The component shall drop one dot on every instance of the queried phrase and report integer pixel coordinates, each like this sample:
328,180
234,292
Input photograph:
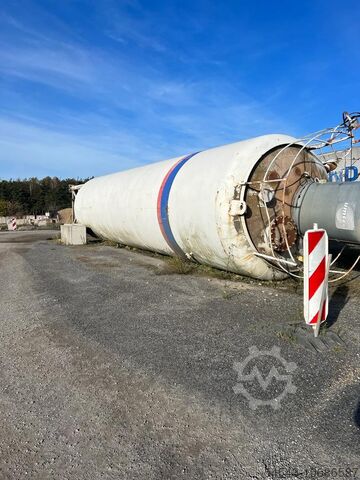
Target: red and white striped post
12,224
316,272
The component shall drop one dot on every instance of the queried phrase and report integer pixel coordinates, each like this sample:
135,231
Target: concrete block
73,234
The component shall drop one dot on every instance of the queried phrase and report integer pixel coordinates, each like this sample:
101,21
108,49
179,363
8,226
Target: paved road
115,367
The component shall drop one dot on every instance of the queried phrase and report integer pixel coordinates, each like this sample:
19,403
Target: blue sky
90,87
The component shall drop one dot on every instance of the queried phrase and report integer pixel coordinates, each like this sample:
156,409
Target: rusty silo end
237,207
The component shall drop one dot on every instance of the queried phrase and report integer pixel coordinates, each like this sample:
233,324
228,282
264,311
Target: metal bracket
237,207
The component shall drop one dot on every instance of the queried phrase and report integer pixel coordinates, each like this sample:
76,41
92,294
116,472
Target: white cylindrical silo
184,206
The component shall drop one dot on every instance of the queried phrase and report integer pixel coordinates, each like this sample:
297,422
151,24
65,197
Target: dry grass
178,265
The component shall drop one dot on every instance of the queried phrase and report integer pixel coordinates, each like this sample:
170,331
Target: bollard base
73,234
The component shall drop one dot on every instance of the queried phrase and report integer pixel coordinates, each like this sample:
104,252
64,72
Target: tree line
35,196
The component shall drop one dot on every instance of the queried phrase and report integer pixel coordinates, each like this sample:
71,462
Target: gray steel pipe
333,206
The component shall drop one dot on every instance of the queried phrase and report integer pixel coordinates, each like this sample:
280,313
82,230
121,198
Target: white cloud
37,62
41,150
115,110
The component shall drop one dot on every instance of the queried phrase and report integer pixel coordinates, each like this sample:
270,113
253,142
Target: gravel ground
114,366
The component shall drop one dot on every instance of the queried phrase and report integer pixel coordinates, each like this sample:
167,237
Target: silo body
182,206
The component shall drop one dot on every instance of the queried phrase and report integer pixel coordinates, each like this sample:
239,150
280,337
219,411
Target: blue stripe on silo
162,205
